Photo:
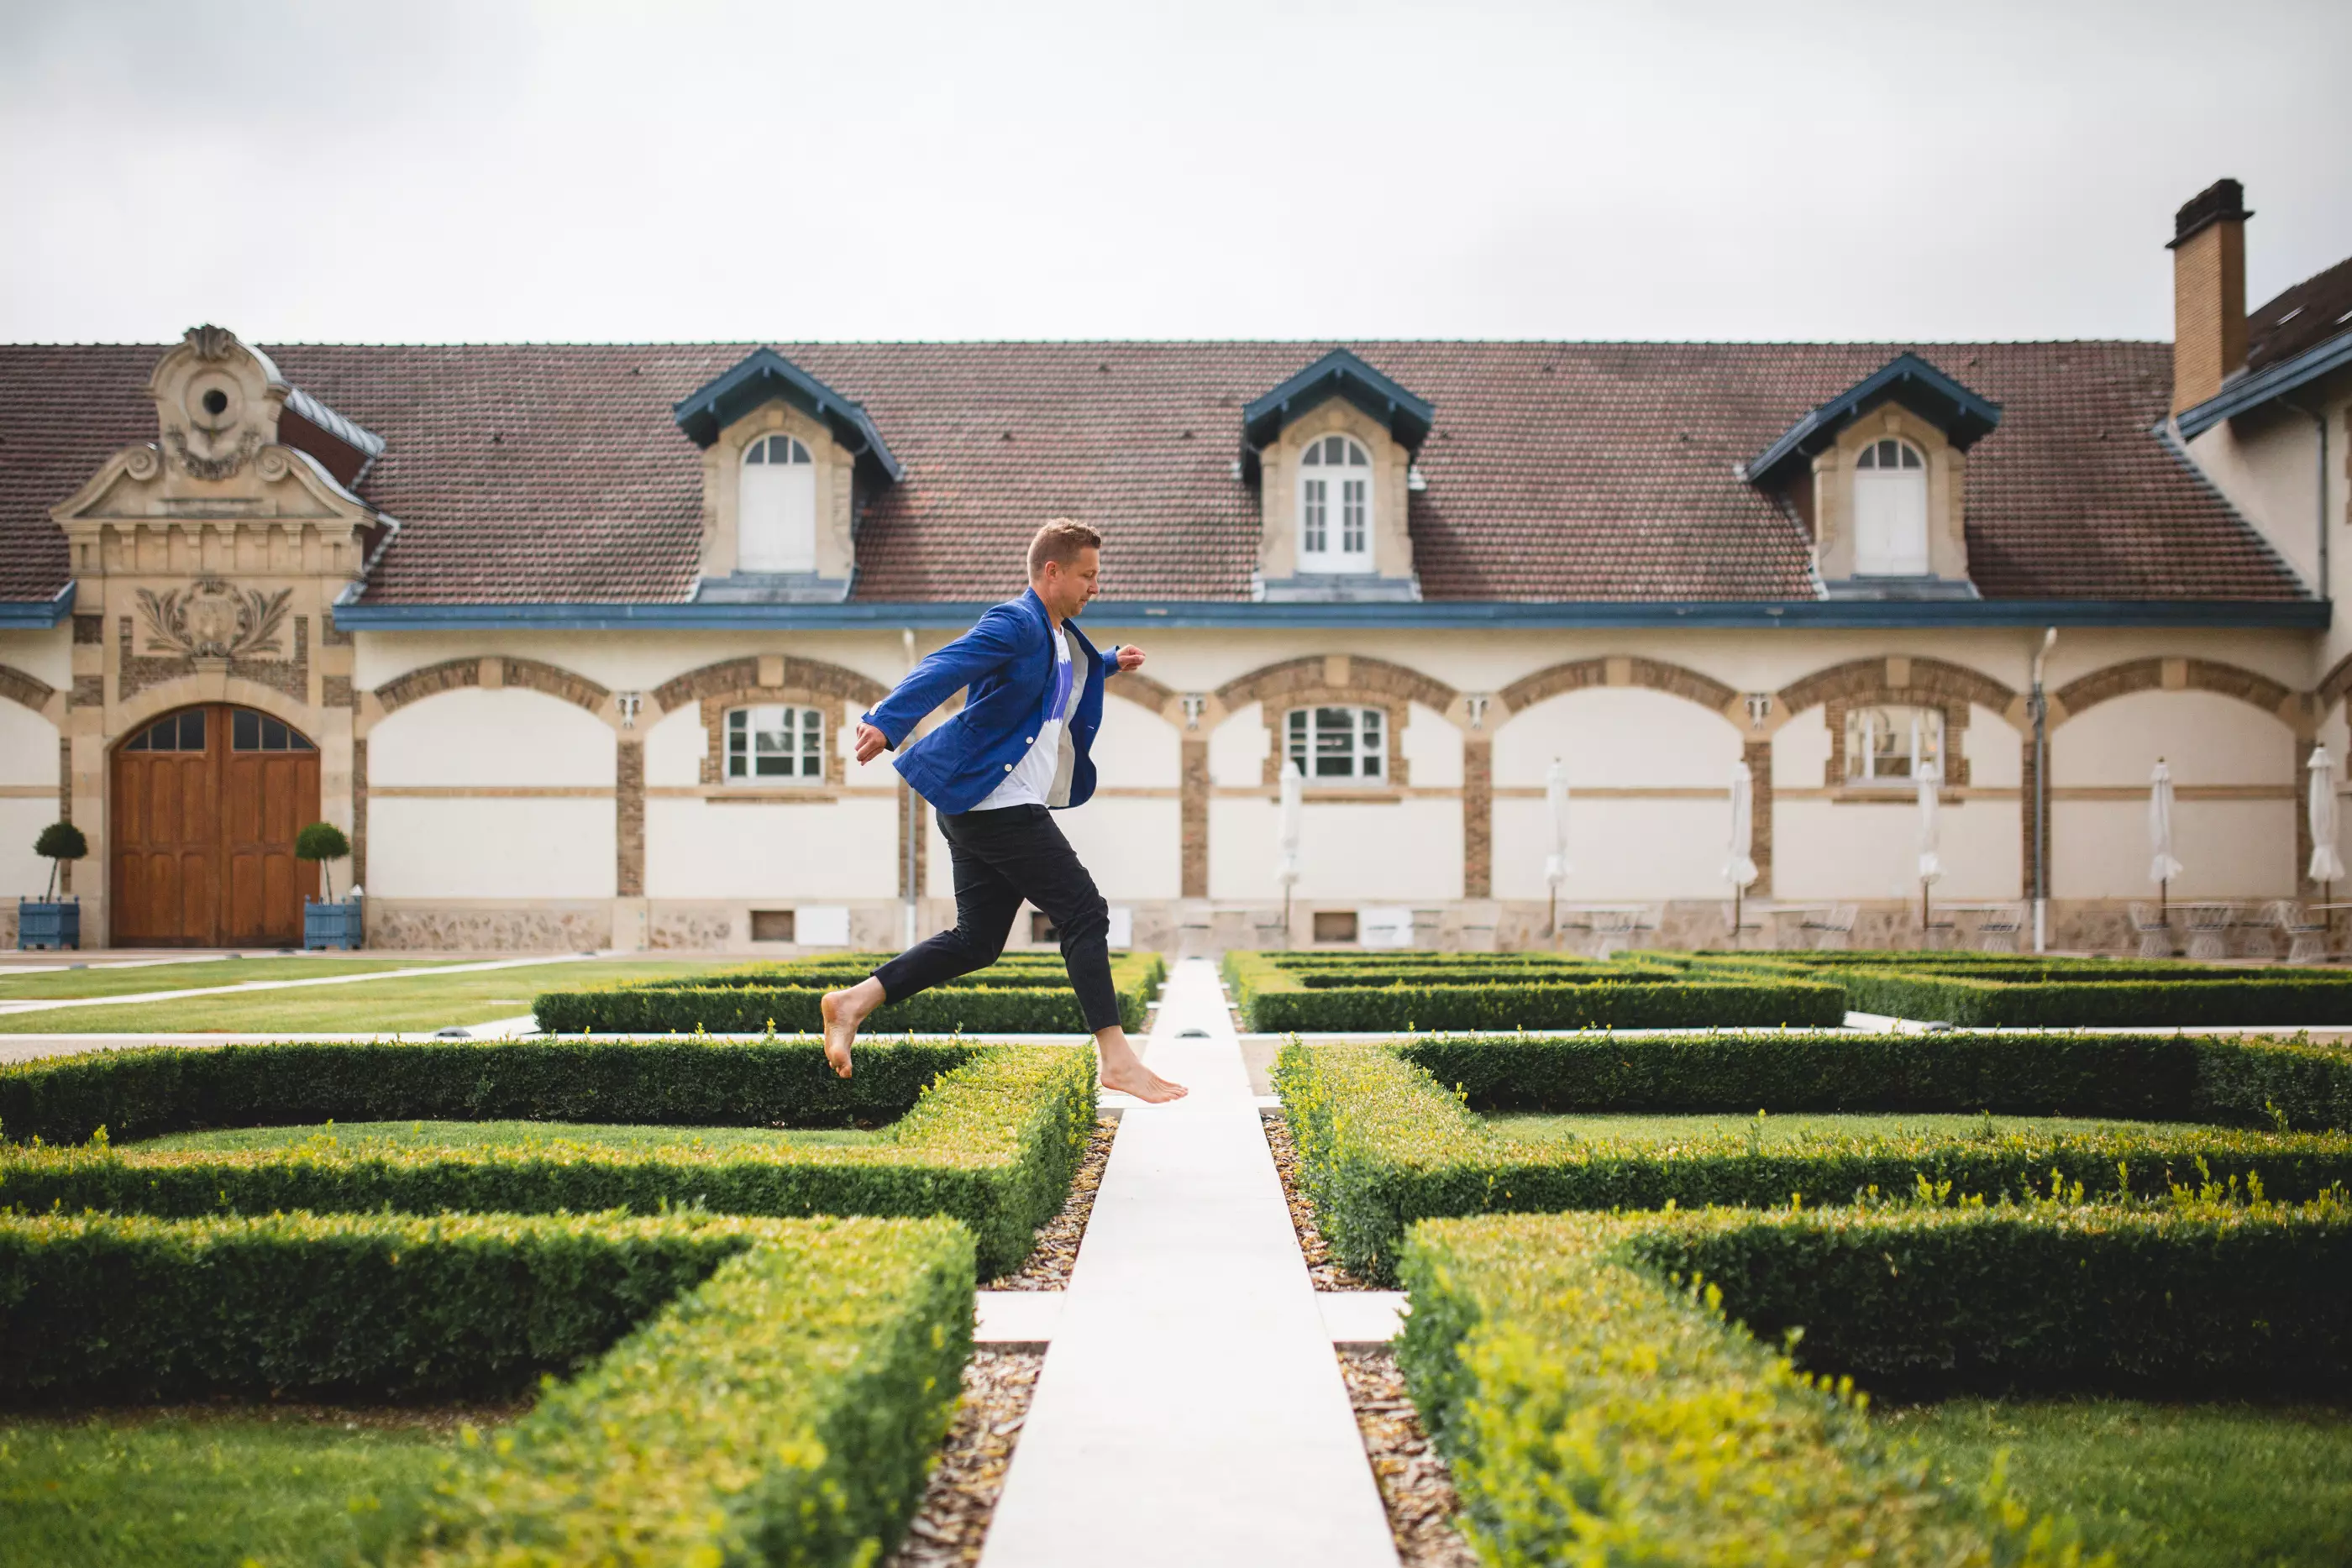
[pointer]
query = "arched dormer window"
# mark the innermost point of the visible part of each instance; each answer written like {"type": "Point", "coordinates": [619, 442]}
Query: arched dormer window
{"type": "Point", "coordinates": [776, 525]}
{"type": "Point", "coordinates": [1890, 510]}
{"type": "Point", "coordinates": [1334, 506]}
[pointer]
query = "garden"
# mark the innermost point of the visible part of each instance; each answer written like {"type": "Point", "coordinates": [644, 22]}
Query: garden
{"type": "Point", "coordinates": [1813, 1296]}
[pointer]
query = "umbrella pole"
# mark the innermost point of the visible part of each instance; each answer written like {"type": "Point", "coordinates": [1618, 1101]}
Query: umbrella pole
{"type": "Point", "coordinates": [1555, 911]}
{"type": "Point", "coordinates": [1738, 892]}
{"type": "Point", "coordinates": [1924, 940]}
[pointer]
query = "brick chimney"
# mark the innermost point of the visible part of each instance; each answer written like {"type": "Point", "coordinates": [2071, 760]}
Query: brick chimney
{"type": "Point", "coordinates": [2209, 292]}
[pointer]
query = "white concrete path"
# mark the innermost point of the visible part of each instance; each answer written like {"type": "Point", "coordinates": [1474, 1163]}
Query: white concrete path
{"type": "Point", "coordinates": [1190, 1410]}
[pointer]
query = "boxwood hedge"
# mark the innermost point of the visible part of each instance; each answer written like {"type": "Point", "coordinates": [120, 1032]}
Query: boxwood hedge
{"type": "Point", "coordinates": [1383, 1143]}
{"type": "Point", "coordinates": [1579, 1373]}
{"type": "Point", "coordinates": [781, 1408]}
{"type": "Point", "coordinates": [1008, 998]}
{"type": "Point", "coordinates": [1281, 993]}
{"type": "Point", "coordinates": [990, 1134]}
{"type": "Point", "coordinates": [2038, 992]}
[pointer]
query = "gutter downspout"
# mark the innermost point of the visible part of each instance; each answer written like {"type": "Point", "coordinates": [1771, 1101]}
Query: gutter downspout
{"type": "Point", "coordinates": [914, 808]}
{"type": "Point", "coordinates": [2319, 424]}
{"type": "Point", "coordinates": [2041, 706]}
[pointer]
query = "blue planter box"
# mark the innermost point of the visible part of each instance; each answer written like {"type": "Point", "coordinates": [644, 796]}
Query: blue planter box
{"type": "Point", "coordinates": [332, 924]}
{"type": "Point", "coordinates": [48, 925]}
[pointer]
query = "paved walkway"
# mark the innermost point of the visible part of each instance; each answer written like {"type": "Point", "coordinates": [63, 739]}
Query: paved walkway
{"type": "Point", "coordinates": [1191, 1411]}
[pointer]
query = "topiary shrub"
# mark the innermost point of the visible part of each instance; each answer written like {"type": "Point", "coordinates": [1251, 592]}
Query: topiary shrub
{"type": "Point", "coordinates": [59, 842]}
{"type": "Point", "coordinates": [321, 842]}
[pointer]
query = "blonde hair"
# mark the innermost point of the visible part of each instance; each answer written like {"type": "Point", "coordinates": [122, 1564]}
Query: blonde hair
{"type": "Point", "coordinates": [1061, 539]}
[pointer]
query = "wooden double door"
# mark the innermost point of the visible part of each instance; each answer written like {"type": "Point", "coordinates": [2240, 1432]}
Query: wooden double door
{"type": "Point", "coordinates": [205, 805]}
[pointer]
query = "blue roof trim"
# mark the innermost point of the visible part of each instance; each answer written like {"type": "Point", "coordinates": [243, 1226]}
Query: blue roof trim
{"type": "Point", "coordinates": [1959, 413]}
{"type": "Point", "coordinates": [764, 373]}
{"type": "Point", "coordinates": [2276, 381]}
{"type": "Point", "coordinates": [2295, 614]}
{"type": "Point", "coordinates": [36, 614]}
{"type": "Point", "coordinates": [1341, 375]}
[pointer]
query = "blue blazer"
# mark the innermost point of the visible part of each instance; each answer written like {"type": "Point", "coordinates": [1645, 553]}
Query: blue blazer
{"type": "Point", "coordinates": [1008, 661]}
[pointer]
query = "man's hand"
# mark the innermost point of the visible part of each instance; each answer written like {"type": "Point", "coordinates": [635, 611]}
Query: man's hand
{"type": "Point", "coordinates": [871, 742]}
{"type": "Point", "coordinates": [1130, 658]}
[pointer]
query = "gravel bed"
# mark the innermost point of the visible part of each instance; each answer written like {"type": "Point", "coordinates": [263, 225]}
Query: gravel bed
{"type": "Point", "coordinates": [1415, 1483]}
{"type": "Point", "coordinates": [951, 1522]}
{"type": "Point", "coordinates": [1326, 1272]}
{"type": "Point", "coordinates": [1048, 1265]}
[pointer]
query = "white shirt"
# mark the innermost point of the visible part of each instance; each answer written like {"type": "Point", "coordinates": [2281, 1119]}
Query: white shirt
{"type": "Point", "coordinates": [1031, 783]}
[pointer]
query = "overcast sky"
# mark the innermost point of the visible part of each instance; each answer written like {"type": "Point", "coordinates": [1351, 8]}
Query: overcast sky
{"type": "Point", "coordinates": [437, 171]}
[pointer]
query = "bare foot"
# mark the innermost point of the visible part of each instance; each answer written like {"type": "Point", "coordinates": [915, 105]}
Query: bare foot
{"type": "Point", "coordinates": [1134, 1078]}
{"type": "Point", "coordinates": [841, 1014]}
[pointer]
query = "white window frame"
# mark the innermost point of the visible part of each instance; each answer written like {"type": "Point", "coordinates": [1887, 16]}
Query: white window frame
{"type": "Point", "coordinates": [1334, 506]}
{"type": "Point", "coordinates": [801, 731]}
{"type": "Point", "coordinates": [1890, 509]}
{"type": "Point", "coordinates": [1365, 749]}
{"type": "Point", "coordinates": [775, 506]}
{"type": "Point", "coordinates": [1918, 734]}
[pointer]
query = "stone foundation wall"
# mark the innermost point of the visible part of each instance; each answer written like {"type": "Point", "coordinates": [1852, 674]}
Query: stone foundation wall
{"type": "Point", "coordinates": [395, 924]}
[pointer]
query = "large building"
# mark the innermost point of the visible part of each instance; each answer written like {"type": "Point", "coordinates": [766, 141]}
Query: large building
{"type": "Point", "coordinates": [570, 638]}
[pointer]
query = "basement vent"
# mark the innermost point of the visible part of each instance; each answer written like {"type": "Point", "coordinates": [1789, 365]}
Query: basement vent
{"type": "Point", "coordinates": [772, 925]}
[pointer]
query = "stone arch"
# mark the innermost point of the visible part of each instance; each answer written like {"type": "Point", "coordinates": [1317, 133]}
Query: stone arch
{"type": "Point", "coordinates": [528, 674]}
{"type": "Point", "coordinates": [1913, 682]}
{"type": "Point", "coordinates": [27, 690]}
{"type": "Point", "coordinates": [134, 713]}
{"type": "Point", "coordinates": [1341, 679]}
{"type": "Point", "coordinates": [816, 679]}
{"type": "Point", "coordinates": [2275, 697]}
{"type": "Point", "coordinates": [1651, 675]}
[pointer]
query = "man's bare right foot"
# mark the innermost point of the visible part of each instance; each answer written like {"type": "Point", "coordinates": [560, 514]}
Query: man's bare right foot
{"type": "Point", "coordinates": [841, 1016]}
{"type": "Point", "coordinates": [1143, 1084]}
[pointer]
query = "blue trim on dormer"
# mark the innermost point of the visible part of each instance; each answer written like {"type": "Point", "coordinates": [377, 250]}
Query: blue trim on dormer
{"type": "Point", "coordinates": [1339, 374]}
{"type": "Point", "coordinates": [1963, 416]}
{"type": "Point", "coordinates": [764, 373]}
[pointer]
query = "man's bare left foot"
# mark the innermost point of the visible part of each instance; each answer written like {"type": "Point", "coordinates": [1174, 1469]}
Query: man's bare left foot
{"type": "Point", "coordinates": [1143, 1084]}
{"type": "Point", "coordinates": [841, 1021]}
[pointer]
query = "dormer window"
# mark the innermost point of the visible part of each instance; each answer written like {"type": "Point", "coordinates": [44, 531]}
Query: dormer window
{"type": "Point", "coordinates": [776, 508]}
{"type": "Point", "coordinates": [1335, 507]}
{"type": "Point", "coordinates": [1890, 510]}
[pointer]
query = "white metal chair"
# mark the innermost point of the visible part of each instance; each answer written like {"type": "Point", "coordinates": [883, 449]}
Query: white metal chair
{"type": "Point", "coordinates": [2208, 929]}
{"type": "Point", "coordinates": [2154, 930]}
{"type": "Point", "coordinates": [2305, 933]}
{"type": "Point", "coordinates": [2000, 929]}
{"type": "Point", "coordinates": [1831, 930]}
{"type": "Point", "coordinates": [1615, 928]}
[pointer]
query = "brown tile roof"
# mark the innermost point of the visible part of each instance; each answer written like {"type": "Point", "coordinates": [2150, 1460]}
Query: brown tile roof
{"type": "Point", "coordinates": [1604, 471]}
{"type": "Point", "coordinates": [2301, 317]}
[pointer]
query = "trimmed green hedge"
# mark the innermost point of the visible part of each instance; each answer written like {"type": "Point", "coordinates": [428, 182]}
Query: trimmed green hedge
{"type": "Point", "coordinates": [666, 1083]}
{"type": "Point", "coordinates": [1382, 1143]}
{"type": "Point", "coordinates": [993, 1142]}
{"type": "Point", "coordinates": [1594, 1413]}
{"type": "Point", "coordinates": [2194, 1298]}
{"type": "Point", "coordinates": [783, 1407]}
{"type": "Point", "coordinates": [1277, 994]}
{"type": "Point", "coordinates": [1024, 999]}
{"type": "Point", "coordinates": [2038, 992]}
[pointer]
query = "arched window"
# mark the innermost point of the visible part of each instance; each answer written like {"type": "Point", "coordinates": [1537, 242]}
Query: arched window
{"type": "Point", "coordinates": [1338, 743]}
{"type": "Point", "coordinates": [1892, 744]}
{"type": "Point", "coordinates": [1334, 506]}
{"type": "Point", "coordinates": [776, 525]}
{"type": "Point", "coordinates": [1890, 510]}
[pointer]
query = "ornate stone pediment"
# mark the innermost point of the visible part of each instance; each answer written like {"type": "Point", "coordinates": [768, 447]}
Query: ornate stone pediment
{"type": "Point", "coordinates": [213, 619]}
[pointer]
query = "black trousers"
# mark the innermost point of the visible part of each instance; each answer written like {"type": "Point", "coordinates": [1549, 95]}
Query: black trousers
{"type": "Point", "coordinates": [1002, 858]}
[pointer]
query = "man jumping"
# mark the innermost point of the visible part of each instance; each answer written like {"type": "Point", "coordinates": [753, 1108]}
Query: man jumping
{"type": "Point", "coordinates": [996, 773]}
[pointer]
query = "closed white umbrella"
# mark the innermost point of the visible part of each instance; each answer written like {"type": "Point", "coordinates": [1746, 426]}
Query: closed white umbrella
{"type": "Point", "coordinates": [1931, 836]}
{"type": "Point", "coordinates": [1293, 813]}
{"type": "Point", "coordinates": [1739, 864]}
{"type": "Point", "coordinates": [2326, 865]}
{"type": "Point", "coordinates": [2161, 866]}
{"type": "Point", "coordinates": [1556, 866]}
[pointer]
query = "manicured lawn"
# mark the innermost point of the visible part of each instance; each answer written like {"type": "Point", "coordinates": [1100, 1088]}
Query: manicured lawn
{"type": "Point", "coordinates": [353, 1137]}
{"type": "Point", "coordinates": [183, 1488]}
{"type": "Point", "coordinates": [425, 1002]}
{"type": "Point", "coordinates": [95, 982]}
{"type": "Point", "coordinates": [1792, 1130]}
{"type": "Point", "coordinates": [2162, 1486]}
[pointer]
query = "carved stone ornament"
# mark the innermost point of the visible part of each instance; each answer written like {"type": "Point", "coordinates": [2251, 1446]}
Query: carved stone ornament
{"type": "Point", "coordinates": [219, 460]}
{"type": "Point", "coordinates": [209, 619]}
